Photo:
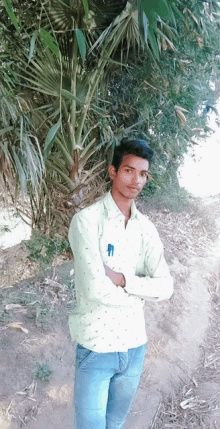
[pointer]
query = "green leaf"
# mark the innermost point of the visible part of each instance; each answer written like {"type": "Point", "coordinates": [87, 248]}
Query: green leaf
{"type": "Point", "coordinates": [177, 11]}
{"type": "Point", "coordinates": [81, 43]}
{"type": "Point", "coordinates": [8, 7]}
{"type": "Point", "coordinates": [85, 4]}
{"type": "Point", "coordinates": [153, 42]}
{"type": "Point", "coordinates": [32, 45]}
{"type": "Point", "coordinates": [163, 9]}
{"type": "Point", "coordinates": [5, 130]}
{"type": "Point", "coordinates": [69, 95]}
{"type": "Point", "coordinates": [153, 18]}
{"type": "Point", "coordinates": [160, 7]}
{"type": "Point", "coordinates": [49, 42]}
{"type": "Point", "coordinates": [143, 24]}
{"type": "Point", "coordinates": [21, 129]}
{"type": "Point", "coordinates": [173, 19]}
{"type": "Point", "coordinates": [50, 138]}
{"type": "Point", "coordinates": [64, 4]}
{"type": "Point", "coordinates": [20, 171]}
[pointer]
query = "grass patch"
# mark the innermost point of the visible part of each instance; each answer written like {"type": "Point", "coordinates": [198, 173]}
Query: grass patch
{"type": "Point", "coordinates": [41, 303]}
{"type": "Point", "coordinates": [44, 372]}
{"type": "Point", "coordinates": [42, 249]}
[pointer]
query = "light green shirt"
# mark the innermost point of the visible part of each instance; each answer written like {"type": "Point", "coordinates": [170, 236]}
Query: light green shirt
{"type": "Point", "coordinates": [109, 318]}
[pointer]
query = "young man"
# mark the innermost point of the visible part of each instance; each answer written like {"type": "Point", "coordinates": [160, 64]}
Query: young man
{"type": "Point", "coordinates": [119, 264]}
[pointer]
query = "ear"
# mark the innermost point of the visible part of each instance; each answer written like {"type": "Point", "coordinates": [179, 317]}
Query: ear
{"type": "Point", "coordinates": [112, 172]}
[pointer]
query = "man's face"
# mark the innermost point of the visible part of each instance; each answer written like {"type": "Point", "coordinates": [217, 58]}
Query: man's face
{"type": "Point", "coordinates": [131, 173]}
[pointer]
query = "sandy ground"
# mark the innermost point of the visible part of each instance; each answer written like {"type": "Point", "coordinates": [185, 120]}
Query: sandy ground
{"type": "Point", "coordinates": [176, 328]}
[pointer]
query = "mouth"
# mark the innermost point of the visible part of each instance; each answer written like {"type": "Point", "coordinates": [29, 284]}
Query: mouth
{"type": "Point", "coordinates": [133, 189]}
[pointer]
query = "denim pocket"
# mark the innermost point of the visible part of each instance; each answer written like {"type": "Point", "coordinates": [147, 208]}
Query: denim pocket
{"type": "Point", "coordinates": [83, 355]}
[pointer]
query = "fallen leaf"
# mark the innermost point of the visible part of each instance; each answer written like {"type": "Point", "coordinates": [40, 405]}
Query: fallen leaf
{"type": "Point", "coordinates": [190, 403]}
{"type": "Point", "coordinates": [11, 306]}
{"type": "Point", "coordinates": [52, 283]}
{"type": "Point", "coordinates": [17, 326]}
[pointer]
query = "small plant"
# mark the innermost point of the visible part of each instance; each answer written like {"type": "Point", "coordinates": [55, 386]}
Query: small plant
{"type": "Point", "coordinates": [43, 372]}
{"type": "Point", "coordinates": [5, 317]}
{"type": "Point", "coordinates": [43, 316]}
{"type": "Point", "coordinates": [4, 228]}
{"type": "Point", "coordinates": [5, 342]}
{"type": "Point", "coordinates": [43, 249]}
{"type": "Point", "coordinates": [70, 283]}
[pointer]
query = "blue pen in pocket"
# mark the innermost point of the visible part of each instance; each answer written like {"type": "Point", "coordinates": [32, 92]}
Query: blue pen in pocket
{"type": "Point", "coordinates": [110, 250]}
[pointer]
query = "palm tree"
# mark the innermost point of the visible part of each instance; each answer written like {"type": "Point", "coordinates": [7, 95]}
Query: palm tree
{"type": "Point", "coordinates": [68, 47]}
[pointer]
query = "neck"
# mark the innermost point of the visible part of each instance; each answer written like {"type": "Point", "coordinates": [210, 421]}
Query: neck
{"type": "Point", "coordinates": [123, 203]}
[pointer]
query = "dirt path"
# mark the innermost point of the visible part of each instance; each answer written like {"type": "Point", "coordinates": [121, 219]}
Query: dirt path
{"type": "Point", "coordinates": [177, 336]}
{"type": "Point", "coordinates": [31, 396]}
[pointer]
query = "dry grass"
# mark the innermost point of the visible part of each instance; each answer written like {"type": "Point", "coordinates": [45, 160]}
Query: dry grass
{"type": "Point", "coordinates": [196, 404]}
{"type": "Point", "coordinates": [186, 233]}
{"type": "Point", "coordinates": [16, 265]}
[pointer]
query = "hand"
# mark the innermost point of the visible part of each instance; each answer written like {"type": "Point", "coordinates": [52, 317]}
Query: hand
{"type": "Point", "coordinates": [116, 278]}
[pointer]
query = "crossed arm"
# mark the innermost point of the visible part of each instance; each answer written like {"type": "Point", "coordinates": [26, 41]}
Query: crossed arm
{"type": "Point", "coordinates": [117, 278]}
{"type": "Point", "coordinates": [157, 285]}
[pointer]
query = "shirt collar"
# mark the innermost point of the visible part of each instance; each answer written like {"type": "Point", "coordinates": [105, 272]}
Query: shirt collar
{"type": "Point", "coordinates": [113, 210]}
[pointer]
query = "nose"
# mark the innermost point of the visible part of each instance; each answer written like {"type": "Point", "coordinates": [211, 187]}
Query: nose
{"type": "Point", "coordinates": [138, 180]}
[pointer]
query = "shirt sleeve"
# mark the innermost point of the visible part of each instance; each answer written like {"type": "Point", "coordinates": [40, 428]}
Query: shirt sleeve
{"type": "Point", "coordinates": [157, 285]}
{"type": "Point", "coordinates": [89, 267]}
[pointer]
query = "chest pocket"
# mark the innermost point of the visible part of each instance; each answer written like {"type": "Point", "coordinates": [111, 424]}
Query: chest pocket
{"type": "Point", "coordinates": [108, 257]}
{"type": "Point", "coordinates": [127, 244]}
{"type": "Point", "coordinates": [106, 241]}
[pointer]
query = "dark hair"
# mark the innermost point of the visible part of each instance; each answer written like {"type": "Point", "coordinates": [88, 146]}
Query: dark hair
{"type": "Point", "coordinates": [131, 147]}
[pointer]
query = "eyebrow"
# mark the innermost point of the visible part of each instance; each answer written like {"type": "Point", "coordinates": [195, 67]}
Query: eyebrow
{"type": "Point", "coordinates": [146, 171]}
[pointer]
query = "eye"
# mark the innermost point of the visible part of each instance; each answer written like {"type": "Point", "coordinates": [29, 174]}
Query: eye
{"type": "Point", "coordinates": [146, 174]}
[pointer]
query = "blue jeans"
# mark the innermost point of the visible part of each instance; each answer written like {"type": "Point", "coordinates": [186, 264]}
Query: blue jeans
{"type": "Point", "coordinates": [105, 386]}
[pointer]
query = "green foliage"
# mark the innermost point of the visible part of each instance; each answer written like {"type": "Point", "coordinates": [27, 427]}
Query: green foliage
{"type": "Point", "coordinates": [44, 372]}
{"type": "Point", "coordinates": [42, 302]}
{"type": "Point", "coordinates": [5, 316]}
{"type": "Point", "coordinates": [43, 315]}
{"type": "Point", "coordinates": [82, 63]}
{"type": "Point", "coordinates": [4, 228]}
{"type": "Point", "coordinates": [169, 197]}
{"type": "Point", "coordinates": [9, 8]}
{"type": "Point", "coordinates": [81, 43]}
{"type": "Point", "coordinates": [166, 99]}
{"type": "Point", "coordinates": [149, 189]}
{"type": "Point", "coordinates": [85, 4]}
{"type": "Point", "coordinates": [50, 138]}
{"type": "Point", "coordinates": [70, 283]}
{"type": "Point", "coordinates": [43, 249]}
{"type": "Point", "coordinates": [32, 45]}
{"type": "Point", "coordinates": [49, 42]}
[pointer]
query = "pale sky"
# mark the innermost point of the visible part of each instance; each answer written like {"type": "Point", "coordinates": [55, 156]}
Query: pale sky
{"type": "Point", "coordinates": [200, 175]}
